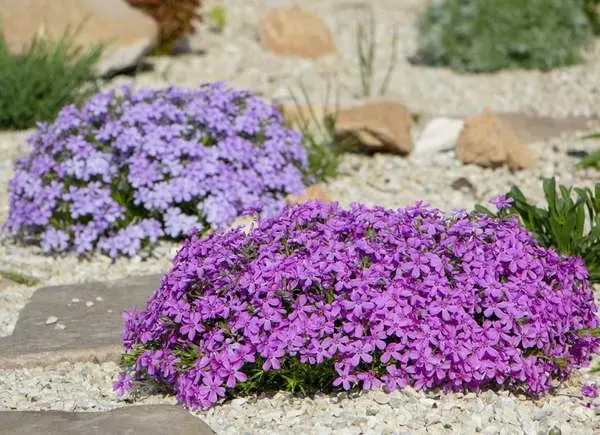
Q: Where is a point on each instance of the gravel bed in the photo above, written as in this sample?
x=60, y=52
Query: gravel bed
x=87, y=387
x=392, y=181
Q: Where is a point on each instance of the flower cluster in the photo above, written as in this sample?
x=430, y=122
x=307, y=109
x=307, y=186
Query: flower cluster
x=387, y=298
x=130, y=167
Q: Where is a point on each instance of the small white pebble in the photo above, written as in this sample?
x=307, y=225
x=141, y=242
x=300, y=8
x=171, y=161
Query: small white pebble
x=75, y=300
x=109, y=311
x=52, y=319
x=89, y=304
x=99, y=299
x=59, y=326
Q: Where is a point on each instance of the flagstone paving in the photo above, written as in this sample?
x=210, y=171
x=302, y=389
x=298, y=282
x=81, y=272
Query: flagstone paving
x=147, y=420
x=80, y=322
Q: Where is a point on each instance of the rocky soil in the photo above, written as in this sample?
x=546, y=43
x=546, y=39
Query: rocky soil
x=393, y=181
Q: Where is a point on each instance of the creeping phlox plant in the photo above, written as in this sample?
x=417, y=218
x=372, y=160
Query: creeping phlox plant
x=131, y=167
x=319, y=296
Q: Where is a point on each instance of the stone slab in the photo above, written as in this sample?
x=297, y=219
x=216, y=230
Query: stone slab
x=147, y=420
x=79, y=322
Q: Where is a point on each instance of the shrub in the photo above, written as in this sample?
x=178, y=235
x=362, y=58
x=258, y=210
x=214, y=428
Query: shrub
x=49, y=75
x=175, y=18
x=592, y=10
x=320, y=297
x=572, y=227
x=130, y=167
x=489, y=35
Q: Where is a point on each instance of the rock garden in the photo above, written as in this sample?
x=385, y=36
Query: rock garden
x=371, y=217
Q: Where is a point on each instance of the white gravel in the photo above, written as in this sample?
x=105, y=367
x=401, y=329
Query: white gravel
x=392, y=181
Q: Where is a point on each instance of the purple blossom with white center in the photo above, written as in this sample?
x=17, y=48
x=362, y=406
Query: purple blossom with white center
x=176, y=159
x=391, y=298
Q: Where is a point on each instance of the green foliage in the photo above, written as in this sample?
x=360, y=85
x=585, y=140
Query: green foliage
x=593, y=160
x=36, y=85
x=489, y=35
x=592, y=10
x=323, y=148
x=175, y=18
x=366, y=43
x=218, y=17
x=18, y=277
x=563, y=225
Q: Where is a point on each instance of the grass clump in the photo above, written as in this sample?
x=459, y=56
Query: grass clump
x=490, y=35
x=18, y=277
x=318, y=133
x=36, y=85
x=570, y=226
x=366, y=43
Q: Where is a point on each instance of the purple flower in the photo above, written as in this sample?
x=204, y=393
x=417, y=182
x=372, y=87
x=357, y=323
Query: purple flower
x=590, y=390
x=376, y=297
x=132, y=167
x=123, y=384
x=501, y=202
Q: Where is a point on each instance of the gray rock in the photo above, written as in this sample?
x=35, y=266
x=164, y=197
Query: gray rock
x=90, y=333
x=149, y=420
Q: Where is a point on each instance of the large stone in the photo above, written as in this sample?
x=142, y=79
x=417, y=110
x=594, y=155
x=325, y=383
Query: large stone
x=487, y=141
x=295, y=32
x=147, y=419
x=128, y=32
x=378, y=125
x=80, y=322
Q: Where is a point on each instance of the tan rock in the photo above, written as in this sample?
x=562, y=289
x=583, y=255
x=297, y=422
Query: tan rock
x=128, y=32
x=295, y=32
x=378, y=125
x=312, y=193
x=487, y=141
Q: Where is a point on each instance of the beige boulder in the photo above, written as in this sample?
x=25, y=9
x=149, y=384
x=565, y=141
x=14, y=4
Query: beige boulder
x=378, y=125
x=128, y=32
x=487, y=141
x=296, y=32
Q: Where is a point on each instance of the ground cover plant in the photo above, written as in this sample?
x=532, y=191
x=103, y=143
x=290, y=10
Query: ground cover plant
x=134, y=166
x=489, y=35
x=36, y=85
x=321, y=298
x=175, y=19
x=569, y=225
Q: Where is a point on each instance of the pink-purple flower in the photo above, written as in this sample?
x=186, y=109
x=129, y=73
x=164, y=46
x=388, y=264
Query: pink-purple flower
x=375, y=295
x=590, y=390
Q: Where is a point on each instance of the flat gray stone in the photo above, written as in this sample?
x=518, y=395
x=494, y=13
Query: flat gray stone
x=79, y=322
x=147, y=420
